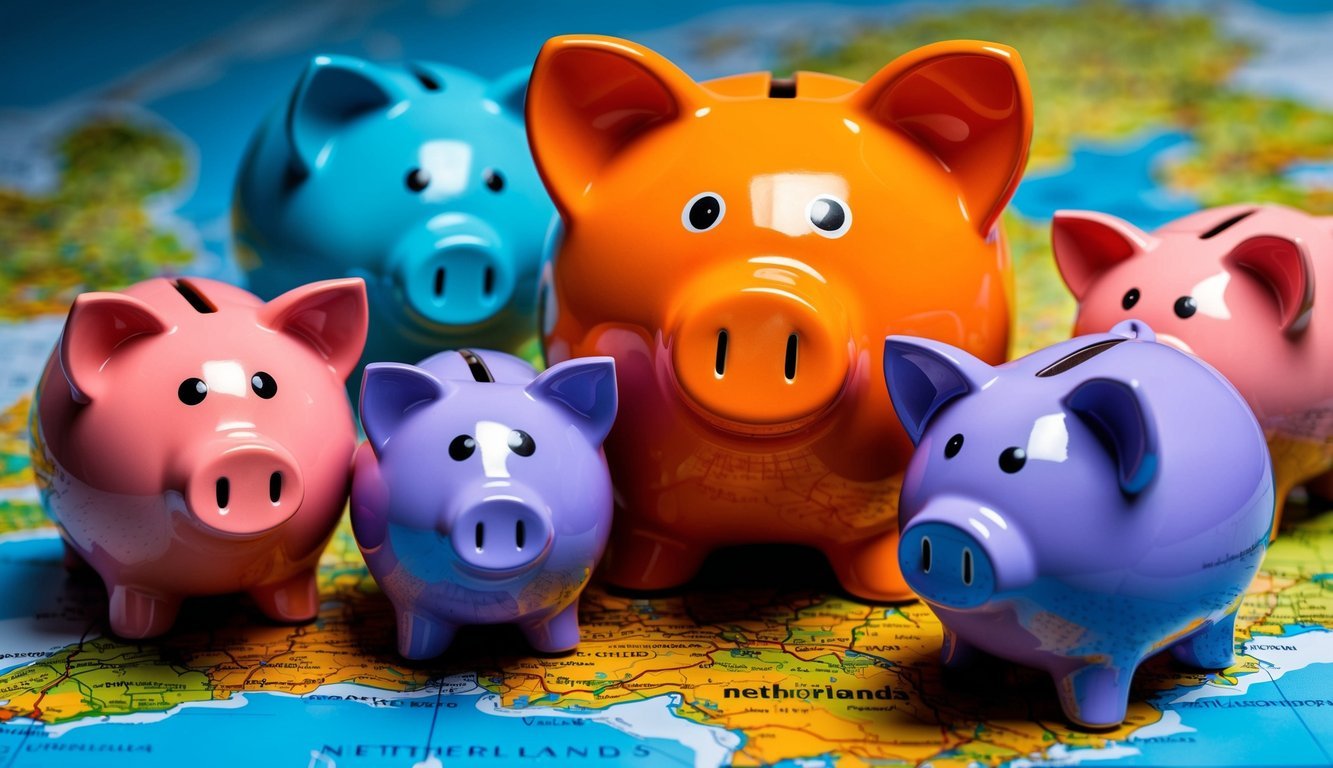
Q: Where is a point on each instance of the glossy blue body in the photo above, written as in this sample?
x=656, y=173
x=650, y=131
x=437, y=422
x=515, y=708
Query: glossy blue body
x=1081, y=508
x=482, y=495
x=416, y=178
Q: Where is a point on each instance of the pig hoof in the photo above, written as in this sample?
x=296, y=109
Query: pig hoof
x=1211, y=647
x=1095, y=697
x=870, y=571
x=558, y=634
x=293, y=601
x=421, y=637
x=138, y=615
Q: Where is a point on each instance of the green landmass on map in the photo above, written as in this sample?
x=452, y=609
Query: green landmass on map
x=92, y=232
x=1100, y=71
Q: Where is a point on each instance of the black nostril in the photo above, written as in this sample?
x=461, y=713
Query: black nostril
x=925, y=554
x=792, y=343
x=275, y=487
x=224, y=492
x=439, y=281
x=967, y=566
x=480, y=535
x=488, y=282
x=720, y=362
x=519, y=534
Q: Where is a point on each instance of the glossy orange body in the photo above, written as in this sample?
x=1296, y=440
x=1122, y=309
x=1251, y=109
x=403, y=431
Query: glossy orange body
x=748, y=330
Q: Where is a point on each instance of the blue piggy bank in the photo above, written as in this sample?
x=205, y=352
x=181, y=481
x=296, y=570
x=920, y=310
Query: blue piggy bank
x=417, y=179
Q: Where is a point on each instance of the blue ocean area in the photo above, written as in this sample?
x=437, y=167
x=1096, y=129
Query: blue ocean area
x=1248, y=729
x=1118, y=178
x=340, y=734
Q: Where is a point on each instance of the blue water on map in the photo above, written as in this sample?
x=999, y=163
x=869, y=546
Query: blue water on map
x=272, y=729
x=1118, y=178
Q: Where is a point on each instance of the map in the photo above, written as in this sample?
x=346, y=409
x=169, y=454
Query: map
x=117, y=154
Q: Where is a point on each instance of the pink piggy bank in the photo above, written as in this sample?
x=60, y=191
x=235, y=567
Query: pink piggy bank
x=1236, y=287
x=190, y=439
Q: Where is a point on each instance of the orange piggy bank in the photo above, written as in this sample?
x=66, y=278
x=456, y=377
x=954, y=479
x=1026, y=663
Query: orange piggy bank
x=741, y=247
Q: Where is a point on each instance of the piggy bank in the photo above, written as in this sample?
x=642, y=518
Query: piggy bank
x=741, y=247
x=415, y=178
x=190, y=439
x=1235, y=286
x=1081, y=508
x=481, y=495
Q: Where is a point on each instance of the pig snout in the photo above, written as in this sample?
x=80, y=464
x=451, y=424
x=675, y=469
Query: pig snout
x=501, y=535
x=454, y=274
x=959, y=554
x=244, y=489
x=762, y=355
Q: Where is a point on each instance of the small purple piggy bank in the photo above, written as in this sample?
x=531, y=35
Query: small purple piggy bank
x=1081, y=508
x=482, y=495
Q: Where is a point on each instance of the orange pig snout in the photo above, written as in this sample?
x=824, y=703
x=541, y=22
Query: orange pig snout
x=761, y=351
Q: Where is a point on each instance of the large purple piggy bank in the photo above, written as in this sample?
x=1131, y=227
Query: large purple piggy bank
x=1081, y=508
x=482, y=495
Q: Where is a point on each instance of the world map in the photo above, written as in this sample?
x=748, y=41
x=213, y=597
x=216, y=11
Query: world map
x=1144, y=111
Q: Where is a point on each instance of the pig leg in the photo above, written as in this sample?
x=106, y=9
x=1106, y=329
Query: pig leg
x=423, y=637
x=293, y=601
x=1210, y=648
x=136, y=614
x=644, y=559
x=869, y=569
x=1095, y=696
x=554, y=634
x=956, y=652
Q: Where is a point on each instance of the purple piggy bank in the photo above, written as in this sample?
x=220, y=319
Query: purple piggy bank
x=1081, y=508
x=482, y=495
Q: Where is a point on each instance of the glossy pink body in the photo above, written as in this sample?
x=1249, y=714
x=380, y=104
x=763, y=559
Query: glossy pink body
x=1235, y=286
x=190, y=439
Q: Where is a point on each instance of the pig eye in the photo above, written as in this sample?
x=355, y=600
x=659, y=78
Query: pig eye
x=521, y=442
x=462, y=447
x=831, y=216
x=192, y=391
x=952, y=447
x=1013, y=459
x=264, y=385
x=703, y=212
x=417, y=179
x=493, y=180
x=1186, y=306
x=1131, y=298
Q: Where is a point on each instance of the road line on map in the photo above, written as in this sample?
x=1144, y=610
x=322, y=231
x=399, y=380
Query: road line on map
x=1295, y=711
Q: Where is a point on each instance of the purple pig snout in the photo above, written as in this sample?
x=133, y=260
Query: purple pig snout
x=502, y=534
x=959, y=553
x=243, y=488
x=453, y=271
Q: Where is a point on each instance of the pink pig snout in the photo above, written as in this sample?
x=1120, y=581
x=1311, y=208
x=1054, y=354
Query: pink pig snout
x=244, y=488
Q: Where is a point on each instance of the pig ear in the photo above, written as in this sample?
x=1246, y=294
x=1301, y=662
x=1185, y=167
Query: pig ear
x=98, y=324
x=389, y=394
x=590, y=98
x=966, y=102
x=1284, y=265
x=923, y=375
x=333, y=91
x=587, y=387
x=1118, y=413
x=510, y=91
x=1087, y=244
x=330, y=316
